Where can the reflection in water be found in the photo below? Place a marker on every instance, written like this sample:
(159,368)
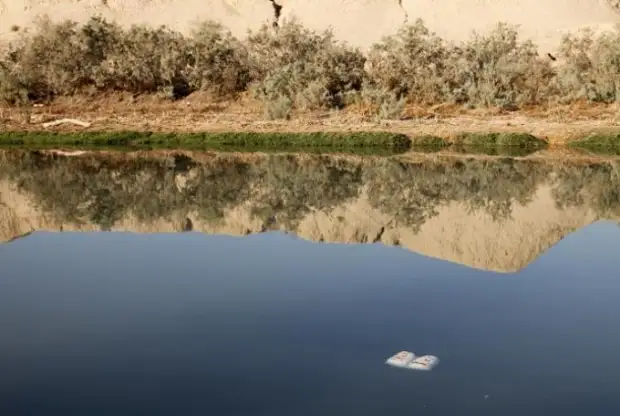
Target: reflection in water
(496,214)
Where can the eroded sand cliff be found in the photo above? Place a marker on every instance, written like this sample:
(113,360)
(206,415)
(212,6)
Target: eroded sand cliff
(359,22)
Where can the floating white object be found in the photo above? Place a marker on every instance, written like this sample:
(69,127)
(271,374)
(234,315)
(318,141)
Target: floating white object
(408,360)
(401,359)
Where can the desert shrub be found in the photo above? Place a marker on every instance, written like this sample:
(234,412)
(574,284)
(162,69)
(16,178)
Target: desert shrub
(275,92)
(272,48)
(491,70)
(383,103)
(143,59)
(590,66)
(99,40)
(46,63)
(295,67)
(148,60)
(59,58)
(290,67)
(499,70)
(219,62)
(13,85)
(412,64)
(63,58)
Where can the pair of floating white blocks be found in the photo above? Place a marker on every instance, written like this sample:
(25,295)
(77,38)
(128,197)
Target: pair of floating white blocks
(408,360)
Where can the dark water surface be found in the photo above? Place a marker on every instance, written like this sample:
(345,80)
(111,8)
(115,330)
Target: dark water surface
(196,323)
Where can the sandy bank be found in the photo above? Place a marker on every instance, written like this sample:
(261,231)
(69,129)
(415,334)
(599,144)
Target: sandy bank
(557,125)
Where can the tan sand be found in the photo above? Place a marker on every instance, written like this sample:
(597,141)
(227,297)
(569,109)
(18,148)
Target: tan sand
(542,21)
(238,15)
(359,22)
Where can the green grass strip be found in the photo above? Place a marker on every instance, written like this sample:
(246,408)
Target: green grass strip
(257,141)
(362,143)
(428,144)
(480,140)
(599,143)
(429,141)
(359,151)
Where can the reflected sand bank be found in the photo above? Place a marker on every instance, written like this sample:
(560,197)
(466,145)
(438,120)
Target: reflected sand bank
(494,214)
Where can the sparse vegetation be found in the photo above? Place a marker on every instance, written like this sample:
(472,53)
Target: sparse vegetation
(294,67)
(591,68)
(291,64)
(289,68)
(493,70)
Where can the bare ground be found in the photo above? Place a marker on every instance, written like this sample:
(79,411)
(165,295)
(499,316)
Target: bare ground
(558,124)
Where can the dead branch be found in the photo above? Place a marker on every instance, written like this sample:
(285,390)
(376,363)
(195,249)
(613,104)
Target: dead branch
(65,121)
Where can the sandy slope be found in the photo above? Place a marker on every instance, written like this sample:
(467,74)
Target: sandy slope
(542,21)
(360,22)
(237,15)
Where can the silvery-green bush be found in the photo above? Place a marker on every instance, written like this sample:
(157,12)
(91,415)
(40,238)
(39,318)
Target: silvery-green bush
(305,69)
(292,68)
(591,66)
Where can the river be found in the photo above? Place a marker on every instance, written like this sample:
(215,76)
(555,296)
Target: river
(167,283)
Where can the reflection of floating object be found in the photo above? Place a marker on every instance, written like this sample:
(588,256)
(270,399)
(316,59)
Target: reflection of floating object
(408,360)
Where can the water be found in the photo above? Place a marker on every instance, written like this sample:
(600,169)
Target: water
(506,270)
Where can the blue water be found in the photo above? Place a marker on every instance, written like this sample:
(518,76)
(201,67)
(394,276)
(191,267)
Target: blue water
(191,324)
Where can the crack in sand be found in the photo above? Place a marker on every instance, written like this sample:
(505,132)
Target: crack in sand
(400,4)
(277,12)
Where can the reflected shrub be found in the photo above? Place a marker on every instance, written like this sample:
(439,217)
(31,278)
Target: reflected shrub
(281,190)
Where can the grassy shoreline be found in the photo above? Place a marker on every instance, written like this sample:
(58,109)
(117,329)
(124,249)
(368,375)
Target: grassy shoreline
(359,142)
(290,88)
(606,144)
(375,143)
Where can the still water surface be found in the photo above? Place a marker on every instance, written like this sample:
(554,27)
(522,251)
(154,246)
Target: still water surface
(210,323)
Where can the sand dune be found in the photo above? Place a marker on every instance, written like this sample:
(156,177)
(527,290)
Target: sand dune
(359,22)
